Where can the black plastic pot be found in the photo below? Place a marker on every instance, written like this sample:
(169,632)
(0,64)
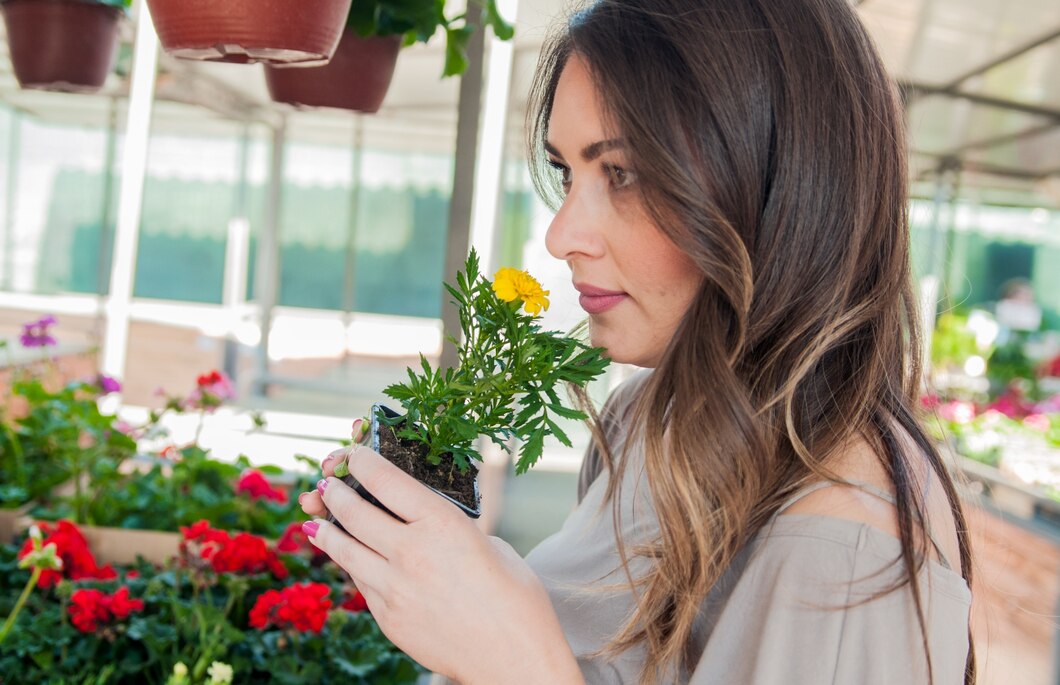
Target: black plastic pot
(385,411)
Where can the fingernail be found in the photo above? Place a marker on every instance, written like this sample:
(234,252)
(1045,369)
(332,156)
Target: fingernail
(301,495)
(310,528)
(326,460)
(321,485)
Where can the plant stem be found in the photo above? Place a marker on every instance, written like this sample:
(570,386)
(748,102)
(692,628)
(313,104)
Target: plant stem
(78,501)
(198,430)
(30,584)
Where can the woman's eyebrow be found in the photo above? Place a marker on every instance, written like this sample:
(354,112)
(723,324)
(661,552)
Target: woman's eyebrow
(591,151)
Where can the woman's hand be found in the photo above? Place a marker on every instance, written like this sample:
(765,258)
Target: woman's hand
(460,603)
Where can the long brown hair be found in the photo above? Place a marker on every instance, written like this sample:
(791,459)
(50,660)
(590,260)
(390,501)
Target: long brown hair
(768,143)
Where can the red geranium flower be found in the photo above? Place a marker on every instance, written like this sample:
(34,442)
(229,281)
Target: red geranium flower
(90,608)
(294,541)
(303,607)
(211,390)
(355,603)
(254,483)
(244,553)
(72,548)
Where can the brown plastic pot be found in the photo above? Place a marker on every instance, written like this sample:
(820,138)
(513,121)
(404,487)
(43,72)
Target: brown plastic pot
(357,77)
(244,31)
(61,44)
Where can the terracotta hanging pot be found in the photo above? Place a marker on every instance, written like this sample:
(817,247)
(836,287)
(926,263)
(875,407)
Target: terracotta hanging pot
(61,44)
(244,31)
(357,77)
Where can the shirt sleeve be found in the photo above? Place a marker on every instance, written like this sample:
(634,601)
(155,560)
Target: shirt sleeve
(794,617)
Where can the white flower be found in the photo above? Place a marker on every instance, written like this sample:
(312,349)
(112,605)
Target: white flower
(220,673)
(180,670)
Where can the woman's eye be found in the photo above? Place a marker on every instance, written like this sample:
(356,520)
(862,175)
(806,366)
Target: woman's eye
(619,177)
(564,173)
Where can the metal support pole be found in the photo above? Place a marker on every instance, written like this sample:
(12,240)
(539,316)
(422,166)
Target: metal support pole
(130,197)
(266,274)
(236,249)
(945,194)
(10,195)
(106,246)
(460,205)
(350,263)
(489,172)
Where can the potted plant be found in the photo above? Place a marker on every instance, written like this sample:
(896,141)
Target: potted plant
(63,44)
(504,388)
(244,31)
(359,73)
(53,434)
(226,609)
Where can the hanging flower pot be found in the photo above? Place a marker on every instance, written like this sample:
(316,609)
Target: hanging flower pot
(66,45)
(244,31)
(460,488)
(356,78)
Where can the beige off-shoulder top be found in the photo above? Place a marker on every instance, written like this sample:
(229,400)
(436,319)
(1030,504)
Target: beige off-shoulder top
(781,614)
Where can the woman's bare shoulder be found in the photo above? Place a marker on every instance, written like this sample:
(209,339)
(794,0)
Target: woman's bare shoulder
(860,464)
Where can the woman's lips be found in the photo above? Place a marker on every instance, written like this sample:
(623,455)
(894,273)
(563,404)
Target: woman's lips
(597,300)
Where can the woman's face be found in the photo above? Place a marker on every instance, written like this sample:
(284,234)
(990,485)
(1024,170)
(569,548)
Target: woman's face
(634,283)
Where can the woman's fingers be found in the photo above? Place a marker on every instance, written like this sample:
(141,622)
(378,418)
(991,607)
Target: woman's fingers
(365,522)
(359,431)
(312,504)
(396,490)
(368,569)
(327,466)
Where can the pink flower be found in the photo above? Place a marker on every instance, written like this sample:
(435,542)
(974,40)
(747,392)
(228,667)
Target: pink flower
(107,385)
(36,333)
(1050,405)
(1038,422)
(930,402)
(211,390)
(1010,404)
(957,411)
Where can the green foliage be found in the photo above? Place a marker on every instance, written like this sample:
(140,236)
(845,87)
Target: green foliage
(952,342)
(195,620)
(419,20)
(125,5)
(505,386)
(63,437)
(176,493)
(1009,363)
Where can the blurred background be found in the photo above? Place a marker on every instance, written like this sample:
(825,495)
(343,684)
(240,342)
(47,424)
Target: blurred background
(179,220)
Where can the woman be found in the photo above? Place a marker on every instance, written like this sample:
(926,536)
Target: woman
(761,504)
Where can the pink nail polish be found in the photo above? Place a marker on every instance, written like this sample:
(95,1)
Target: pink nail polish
(310,528)
(321,485)
(326,460)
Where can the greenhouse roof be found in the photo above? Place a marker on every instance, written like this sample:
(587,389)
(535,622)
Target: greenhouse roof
(981,80)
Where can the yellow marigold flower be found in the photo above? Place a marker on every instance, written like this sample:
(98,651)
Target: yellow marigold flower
(513,284)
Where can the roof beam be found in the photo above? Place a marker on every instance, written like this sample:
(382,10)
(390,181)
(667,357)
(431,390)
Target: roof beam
(1001,140)
(1004,57)
(911,89)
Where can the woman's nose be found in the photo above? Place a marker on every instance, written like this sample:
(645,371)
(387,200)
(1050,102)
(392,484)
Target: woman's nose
(572,232)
